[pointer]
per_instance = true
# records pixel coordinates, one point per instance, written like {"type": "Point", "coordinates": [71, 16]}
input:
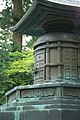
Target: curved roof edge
{"type": "Point", "coordinates": [31, 22]}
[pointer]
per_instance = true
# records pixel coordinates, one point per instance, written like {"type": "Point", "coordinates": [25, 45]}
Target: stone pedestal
{"type": "Point", "coordinates": [59, 101]}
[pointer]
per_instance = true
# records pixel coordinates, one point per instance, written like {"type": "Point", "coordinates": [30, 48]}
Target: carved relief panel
{"type": "Point", "coordinates": [53, 62]}
{"type": "Point", "coordinates": [79, 65]}
{"type": "Point", "coordinates": [70, 63]}
{"type": "Point", "coordinates": [39, 65]}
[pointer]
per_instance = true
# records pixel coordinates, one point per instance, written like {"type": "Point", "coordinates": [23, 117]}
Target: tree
{"type": "Point", "coordinates": [20, 68]}
{"type": "Point", "coordinates": [30, 44]}
{"type": "Point", "coordinates": [5, 23]}
{"type": "Point", "coordinates": [12, 13]}
{"type": "Point", "coordinates": [15, 67]}
{"type": "Point", "coordinates": [19, 8]}
{"type": "Point", "coordinates": [17, 14]}
{"type": "Point", "coordinates": [5, 47]}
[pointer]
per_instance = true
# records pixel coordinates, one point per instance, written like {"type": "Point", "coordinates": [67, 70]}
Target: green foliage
{"type": "Point", "coordinates": [15, 67]}
{"type": "Point", "coordinates": [26, 4]}
{"type": "Point", "coordinates": [5, 18]}
{"type": "Point", "coordinates": [4, 63]}
{"type": "Point", "coordinates": [30, 44]}
{"type": "Point", "coordinates": [20, 69]}
{"type": "Point", "coordinates": [16, 70]}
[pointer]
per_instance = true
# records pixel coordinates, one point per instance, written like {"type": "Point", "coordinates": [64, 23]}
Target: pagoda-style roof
{"type": "Point", "coordinates": [43, 13]}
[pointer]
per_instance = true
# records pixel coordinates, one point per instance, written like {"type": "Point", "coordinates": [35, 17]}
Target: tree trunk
{"type": "Point", "coordinates": [17, 14]}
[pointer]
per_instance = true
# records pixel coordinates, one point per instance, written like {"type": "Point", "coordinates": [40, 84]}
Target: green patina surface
{"type": "Point", "coordinates": [58, 98]}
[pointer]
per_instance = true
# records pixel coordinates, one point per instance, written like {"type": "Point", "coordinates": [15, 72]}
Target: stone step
{"type": "Point", "coordinates": [26, 104]}
{"type": "Point", "coordinates": [40, 107]}
{"type": "Point", "coordinates": [56, 100]}
{"type": "Point", "coordinates": [30, 107]}
{"type": "Point", "coordinates": [24, 115]}
{"type": "Point", "coordinates": [58, 114]}
{"type": "Point", "coordinates": [7, 115]}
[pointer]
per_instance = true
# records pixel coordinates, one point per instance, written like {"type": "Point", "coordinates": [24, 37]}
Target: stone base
{"type": "Point", "coordinates": [57, 101]}
{"type": "Point", "coordinates": [41, 115]}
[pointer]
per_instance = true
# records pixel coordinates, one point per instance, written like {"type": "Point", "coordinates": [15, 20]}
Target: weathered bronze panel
{"type": "Point", "coordinates": [7, 116]}
{"type": "Point", "coordinates": [12, 97]}
{"type": "Point", "coordinates": [55, 94]}
{"type": "Point", "coordinates": [72, 92]}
